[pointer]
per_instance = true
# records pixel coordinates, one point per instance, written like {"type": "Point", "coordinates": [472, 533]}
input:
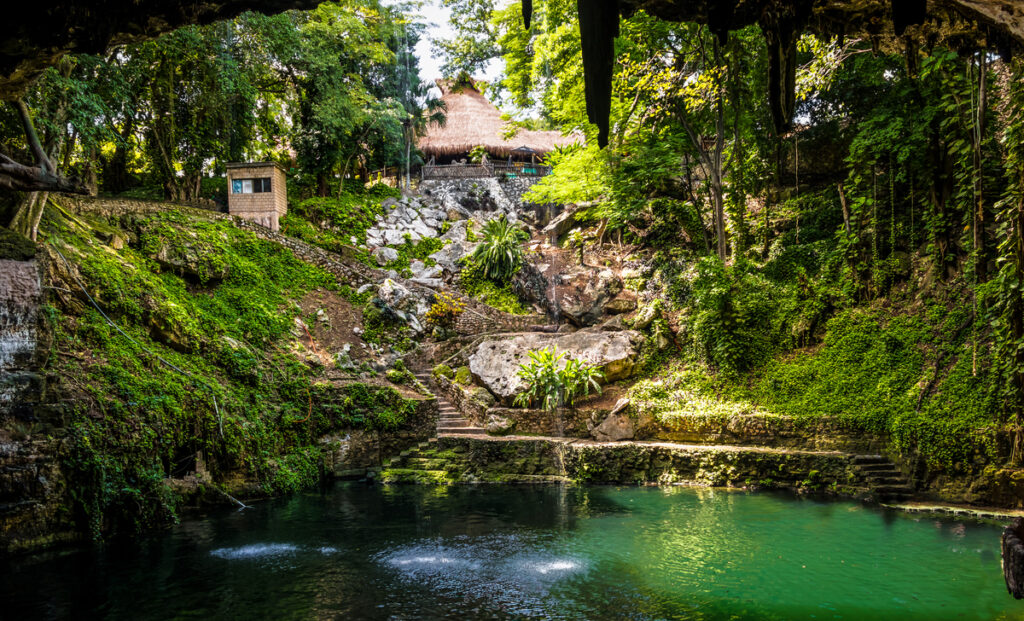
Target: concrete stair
{"type": "Point", "coordinates": [882, 477]}
{"type": "Point", "coordinates": [450, 420]}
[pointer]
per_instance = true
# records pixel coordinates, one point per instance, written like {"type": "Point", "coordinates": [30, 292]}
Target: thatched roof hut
{"type": "Point", "coordinates": [473, 121]}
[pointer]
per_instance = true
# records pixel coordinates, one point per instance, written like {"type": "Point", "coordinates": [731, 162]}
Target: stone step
{"type": "Point", "coordinates": [894, 489]}
{"type": "Point", "coordinates": [870, 459]}
{"type": "Point", "coordinates": [455, 424]}
{"type": "Point", "coordinates": [877, 467]}
{"type": "Point", "coordinates": [463, 430]}
{"type": "Point", "coordinates": [425, 463]}
{"type": "Point", "coordinates": [888, 481]}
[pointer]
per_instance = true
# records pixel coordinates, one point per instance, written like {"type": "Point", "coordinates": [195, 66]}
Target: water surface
{"type": "Point", "coordinates": [493, 552]}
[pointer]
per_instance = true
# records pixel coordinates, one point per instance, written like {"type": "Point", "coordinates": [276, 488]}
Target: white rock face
{"type": "Point", "coordinates": [385, 255]}
{"type": "Point", "coordinates": [448, 257]}
{"type": "Point", "coordinates": [495, 363]}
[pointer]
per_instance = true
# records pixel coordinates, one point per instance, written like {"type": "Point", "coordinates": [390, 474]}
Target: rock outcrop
{"type": "Point", "coordinates": [495, 363]}
{"type": "Point", "coordinates": [581, 296]}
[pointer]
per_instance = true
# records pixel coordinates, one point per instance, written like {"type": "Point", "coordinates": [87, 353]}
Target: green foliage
{"type": "Point", "coordinates": [578, 175]}
{"type": "Point", "coordinates": [15, 246]}
{"type": "Point", "coordinates": [330, 222]}
{"type": "Point", "coordinates": [228, 326]}
{"type": "Point", "coordinates": [445, 311]}
{"type": "Point", "coordinates": [737, 321]}
{"type": "Point", "coordinates": [381, 326]}
{"type": "Point", "coordinates": [463, 377]}
{"type": "Point", "coordinates": [482, 289]}
{"type": "Point", "coordinates": [443, 370]}
{"type": "Point", "coordinates": [553, 380]}
{"type": "Point", "coordinates": [410, 251]}
{"type": "Point", "coordinates": [499, 254]}
{"type": "Point", "coordinates": [905, 377]}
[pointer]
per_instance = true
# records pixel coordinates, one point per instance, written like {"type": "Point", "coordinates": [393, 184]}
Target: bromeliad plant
{"type": "Point", "coordinates": [445, 311]}
{"type": "Point", "coordinates": [499, 255]}
{"type": "Point", "coordinates": [552, 383]}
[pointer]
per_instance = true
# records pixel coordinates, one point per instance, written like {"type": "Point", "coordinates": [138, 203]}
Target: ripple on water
{"type": "Point", "coordinates": [513, 572]}
{"type": "Point", "coordinates": [258, 551]}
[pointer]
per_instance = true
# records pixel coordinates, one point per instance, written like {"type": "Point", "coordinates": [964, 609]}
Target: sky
{"type": "Point", "coordinates": [436, 18]}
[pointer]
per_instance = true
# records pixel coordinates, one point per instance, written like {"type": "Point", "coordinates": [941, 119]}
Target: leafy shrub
{"type": "Point", "coordinates": [499, 254]}
{"type": "Point", "coordinates": [445, 311]}
{"type": "Point", "coordinates": [552, 383]}
{"type": "Point", "coordinates": [495, 295]}
{"type": "Point", "coordinates": [738, 319]}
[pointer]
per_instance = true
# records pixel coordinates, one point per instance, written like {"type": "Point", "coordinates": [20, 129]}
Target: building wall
{"type": "Point", "coordinates": [266, 208]}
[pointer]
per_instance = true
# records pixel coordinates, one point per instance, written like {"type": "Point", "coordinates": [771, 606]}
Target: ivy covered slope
{"type": "Point", "coordinates": [216, 357]}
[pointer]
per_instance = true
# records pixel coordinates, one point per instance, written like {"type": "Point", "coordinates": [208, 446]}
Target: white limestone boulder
{"type": "Point", "coordinates": [496, 363]}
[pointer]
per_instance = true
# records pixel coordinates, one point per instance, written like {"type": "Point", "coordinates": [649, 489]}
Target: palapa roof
{"type": "Point", "coordinates": [473, 121]}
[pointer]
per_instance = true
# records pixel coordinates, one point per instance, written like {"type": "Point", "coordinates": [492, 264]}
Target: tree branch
{"type": "Point", "coordinates": [15, 176]}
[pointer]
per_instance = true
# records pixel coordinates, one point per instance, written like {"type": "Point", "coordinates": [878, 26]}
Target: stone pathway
{"type": "Point", "coordinates": [450, 420]}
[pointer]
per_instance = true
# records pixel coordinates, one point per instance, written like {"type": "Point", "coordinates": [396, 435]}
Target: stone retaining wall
{"type": "Point", "coordinates": [627, 463]}
{"type": "Point", "coordinates": [490, 320]}
{"type": "Point", "coordinates": [352, 453]}
{"type": "Point", "coordinates": [772, 430]}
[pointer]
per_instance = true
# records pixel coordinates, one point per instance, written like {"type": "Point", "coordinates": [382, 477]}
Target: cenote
{"type": "Point", "coordinates": [490, 552]}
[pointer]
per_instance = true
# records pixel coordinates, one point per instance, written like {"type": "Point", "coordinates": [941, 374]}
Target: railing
{"type": "Point", "coordinates": [483, 169]}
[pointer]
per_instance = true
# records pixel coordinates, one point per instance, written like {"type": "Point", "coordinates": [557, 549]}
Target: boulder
{"type": "Point", "coordinates": [647, 315]}
{"type": "Point", "coordinates": [499, 425]}
{"type": "Point", "coordinates": [495, 363]}
{"type": "Point", "coordinates": [427, 272]}
{"type": "Point", "coordinates": [559, 226]}
{"type": "Point", "coordinates": [457, 232]}
{"type": "Point", "coordinates": [582, 295]}
{"type": "Point", "coordinates": [394, 237]}
{"type": "Point", "coordinates": [449, 256]}
{"type": "Point", "coordinates": [625, 302]}
{"type": "Point", "coordinates": [529, 284]}
{"type": "Point", "coordinates": [385, 255]}
{"type": "Point", "coordinates": [419, 227]}
{"type": "Point", "coordinates": [616, 426]}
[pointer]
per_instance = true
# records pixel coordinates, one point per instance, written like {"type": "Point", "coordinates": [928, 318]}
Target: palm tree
{"type": "Point", "coordinates": [422, 109]}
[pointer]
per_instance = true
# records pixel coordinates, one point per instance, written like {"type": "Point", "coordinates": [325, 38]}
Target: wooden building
{"type": "Point", "coordinates": [257, 191]}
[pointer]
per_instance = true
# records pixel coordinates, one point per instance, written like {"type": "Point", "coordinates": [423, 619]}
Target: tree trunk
{"type": "Point", "coordinates": [978, 223]}
{"type": "Point", "coordinates": [30, 213]}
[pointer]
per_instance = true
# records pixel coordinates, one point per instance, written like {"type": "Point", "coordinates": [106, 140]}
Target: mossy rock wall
{"type": "Point", "coordinates": [633, 463]}
{"type": "Point", "coordinates": [350, 453]}
{"type": "Point", "coordinates": [772, 430]}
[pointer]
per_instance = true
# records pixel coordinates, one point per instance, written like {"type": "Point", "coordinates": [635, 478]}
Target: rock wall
{"type": "Point", "coordinates": [627, 463]}
{"type": "Point", "coordinates": [21, 293]}
{"type": "Point", "coordinates": [353, 453]}
{"type": "Point", "coordinates": [771, 430]}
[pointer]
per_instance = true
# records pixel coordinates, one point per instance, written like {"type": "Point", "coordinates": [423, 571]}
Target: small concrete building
{"type": "Point", "coordinates": [257, 192]}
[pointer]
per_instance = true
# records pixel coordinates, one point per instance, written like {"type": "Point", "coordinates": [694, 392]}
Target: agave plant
{"type": "Point", "coordinates": [552, 384]}
{"type": "Point", "coordinates": [499, 254]}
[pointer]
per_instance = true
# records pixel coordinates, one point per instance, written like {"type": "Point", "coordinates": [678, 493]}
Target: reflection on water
{"type": "Point", "coordinates": [529, 552]}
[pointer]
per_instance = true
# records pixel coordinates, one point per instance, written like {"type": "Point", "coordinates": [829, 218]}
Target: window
{"type": "Point", "coordinates": [250, 186]}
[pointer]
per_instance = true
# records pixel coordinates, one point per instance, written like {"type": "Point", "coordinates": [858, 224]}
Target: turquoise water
{"type": "Point", "coordinates": [492, 552]}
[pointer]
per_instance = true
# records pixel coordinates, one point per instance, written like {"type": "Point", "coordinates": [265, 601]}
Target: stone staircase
{"type": "Point", "coordinates": [882, 477]}
{"type": "Point", "coordinates": [450, 420]}
{"type": "Point", "coordinates": [425, 463]}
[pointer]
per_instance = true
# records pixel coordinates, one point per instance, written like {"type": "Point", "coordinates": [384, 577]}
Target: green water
{"type": "Point", "coordinates": [494, 552]}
